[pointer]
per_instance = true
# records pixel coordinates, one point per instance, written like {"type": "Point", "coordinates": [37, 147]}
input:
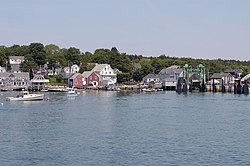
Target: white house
{"type": "Point", "coordinates": [2, 69]}
{"type": "Point", "coordinates": [73, 69]}
{"type": "Point", "coordinates": [107, 74]}
{"type": "Point", "coordinates": [15, 62]}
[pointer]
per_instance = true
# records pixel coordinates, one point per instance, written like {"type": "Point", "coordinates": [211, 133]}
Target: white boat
{"type": "Point", "coordinates": [149, 90]}
{"type": "Point", "coordinates": [57, 90]}
{"type": "Point", "coordinates": [26, 96]}
{"type": "Point", "coordinates": [72, 93]}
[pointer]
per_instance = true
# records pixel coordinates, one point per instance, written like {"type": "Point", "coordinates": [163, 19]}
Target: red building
{"type": "Point", "coordinates": [76, 80]}
{"type": "Point", "coordinates": [94, 79]}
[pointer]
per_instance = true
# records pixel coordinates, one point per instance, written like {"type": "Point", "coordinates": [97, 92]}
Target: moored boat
{"type": "Point", "coordinates": [149, 90]}
{"type": "Point", "coordinates": [57, 90]}
{"type": "Point", "coordinates": [72, 93]}
{"type": "Point", "coordinates": [26, 96]}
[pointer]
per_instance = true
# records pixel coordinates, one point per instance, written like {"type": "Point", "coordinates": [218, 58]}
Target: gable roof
{"type": "Point", "coordinates": [16, 58]}
{"type": "Point", "coordinates": [75, 75]}
{"type": "Point", "coordinates": [233, 71]}
{"type": "Point", "coordinates": [22, 75]}
{"type": "Point", "coordinates": [99, 67]}
{"type": "Point", "coordinates": [150, 76]}
{"type": "Point", "coordinates": [220, 75]}
{"type": "Point", "coordinates": [86, 73]}
{"type": "Point", "coordinates": [246, 77]}
{"type": "Point", "coordinates": [171, 70]}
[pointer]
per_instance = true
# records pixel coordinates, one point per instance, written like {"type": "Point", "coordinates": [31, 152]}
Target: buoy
{"type": "Point", "coordinates": [48, 98]}
{"type": "Point", "coordinates": [2, 104]}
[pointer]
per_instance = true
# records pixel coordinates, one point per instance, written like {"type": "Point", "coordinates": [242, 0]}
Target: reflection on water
{"type": "Point", "coordinates": [122, 128]}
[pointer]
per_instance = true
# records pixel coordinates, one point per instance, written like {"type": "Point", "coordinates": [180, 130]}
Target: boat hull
{"type": "Point", "coordinates": [57, 90]}
{"type": "Point", "coordinates": [27, 98]}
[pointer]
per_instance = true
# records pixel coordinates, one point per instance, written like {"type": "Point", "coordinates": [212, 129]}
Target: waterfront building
{"type": "Point", "coordinates": [236, 73]}
{"type": "Point", "coordinates": [76, 80]}
{"type": "Point", "coordinates": [169, 77]}
{"type": "Point", "coordinates": [151, 79]}
{"type": "Point", "coordinates": [14, 80]}
{"type": "Point", "coordinates": [100, 75]}
{"type": "Point", "coordinates": [106, 73]}
{"type": "Point", "coordinates": [94, 79]}
{"type": "Point", "coordinates": [227, 78]}
{"type": "Point", "coordinates": [15, 62]}
{"type": "Point", "coordinates": [246, 78]}
{"type": "Point", "coordinates": [85, 76]}
{"type": "Point", "coordinates": [38, 82]}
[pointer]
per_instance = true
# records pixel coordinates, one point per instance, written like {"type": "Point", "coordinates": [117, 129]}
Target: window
{"type": "Point", "coordinates": [95, 77]}
{"type": "Point", "coordinates": [90, 77]}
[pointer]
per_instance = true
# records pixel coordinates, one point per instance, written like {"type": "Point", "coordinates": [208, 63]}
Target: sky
{"type": "Point", "coordinates": [201, 29]}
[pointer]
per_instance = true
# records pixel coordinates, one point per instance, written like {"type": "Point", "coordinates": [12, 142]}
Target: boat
{"type": "Point", "coordinates": [149, 90]}
{"type": "Point", "coordinates": [72, 93]}
{"type": "Point", "coordinates": [57, 90]}
{"type": "Point", "coordinates": [26, 96]}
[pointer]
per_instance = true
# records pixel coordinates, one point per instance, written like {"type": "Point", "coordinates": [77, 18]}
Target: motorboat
{"type": "Point", "coordinates": [26, 96]}
{"type": "Point", "coordinates": [149, 90]}
{"type": "Point", "coordinates": [57, 90]}
{"type": "Point", "coordinates": [72, 93]}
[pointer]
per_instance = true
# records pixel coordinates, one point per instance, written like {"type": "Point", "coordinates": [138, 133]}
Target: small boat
{"type": "Point", "coordinates": [149, 90]}
{"type": "Point", "coordinates": [57, 90]}
{"type": "Point", "coordinates": [26, 96]}
{"type": "Point", "coordinates": [72, 93]}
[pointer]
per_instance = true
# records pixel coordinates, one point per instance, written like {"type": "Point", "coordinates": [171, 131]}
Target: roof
{"type": "Point", "coordinates": [22, 75]}
{"type": "Point", "coordinates": [75, 75]}
{"type": "Point", "coordinates": [219, 75]}
{"type": "Point", "coordinates": [246, 77]}
{"type": "Point", "coordinates": [16, 57]}
{"type": "Point", "coordinates": [150, 76]}
{"type": "Point", "coordinates": [86, 73]}
{"type": "Point", "coordinates": [99, 67]}
{"type": "Point", "coordinates": [173, 67]}
{"type": "Point", "coordinates": [171, 70]}
{"type": "Point", "coordinates": [233, 71]}
{"type": "Point", "coordinates": [39, 78]}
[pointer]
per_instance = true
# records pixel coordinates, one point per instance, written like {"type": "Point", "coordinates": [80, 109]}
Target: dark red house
{"type": "Point", "coordinates": [94, 79]}
{"type": "Point", "coordinates": [76, 80]}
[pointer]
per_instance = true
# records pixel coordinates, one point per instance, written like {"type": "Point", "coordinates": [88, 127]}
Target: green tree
{"type": "Point", "coordinates": [3, 57]}
{"type": "Point", "coordinates": [72, 55]}
{"type": "Point", "coordinates": [38, 53]}
{"type": "Point", "coordinates": [55, 57]}
{"type": "Point", "coordinates": [28, 64]}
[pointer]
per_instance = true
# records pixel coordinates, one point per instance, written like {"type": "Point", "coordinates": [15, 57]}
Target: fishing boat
{"type": "Point", "coordinates": [26, 96]}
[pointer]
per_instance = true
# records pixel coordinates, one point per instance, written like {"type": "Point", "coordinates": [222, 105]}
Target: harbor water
{"type": "Point", "coordinates": [119, 128]}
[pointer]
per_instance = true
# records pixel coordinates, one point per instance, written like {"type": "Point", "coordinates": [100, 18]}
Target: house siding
{"type": "Point", "coordinates": [94, 79]}
{"type": "Point", "coordinates": [77, 81]}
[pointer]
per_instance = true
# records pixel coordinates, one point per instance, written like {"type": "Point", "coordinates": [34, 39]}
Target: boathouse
{"type": "Point", "coordinates": [169, 77]}
{"type": "Point", "coordinates": [38, 82]}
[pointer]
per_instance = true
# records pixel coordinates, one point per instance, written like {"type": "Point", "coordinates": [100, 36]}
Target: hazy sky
{"type": "Point", "coordinates": [207, 29]}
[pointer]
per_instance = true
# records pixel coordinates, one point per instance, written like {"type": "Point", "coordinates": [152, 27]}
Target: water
{"type": "Point", "coordinates": [115, 128]}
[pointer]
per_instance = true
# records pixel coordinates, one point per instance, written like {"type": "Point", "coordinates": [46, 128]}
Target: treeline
{"type": "Point", "coordinates": [36, 54]}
